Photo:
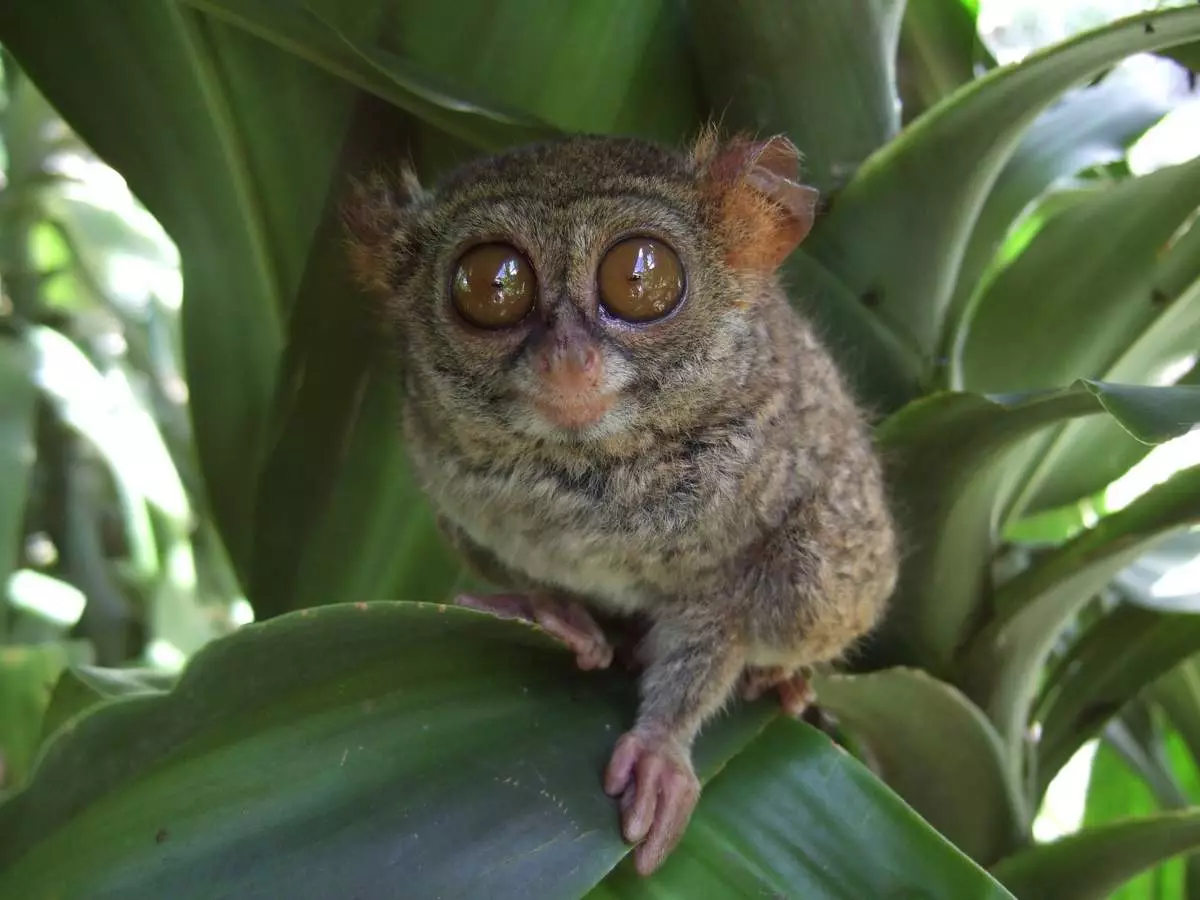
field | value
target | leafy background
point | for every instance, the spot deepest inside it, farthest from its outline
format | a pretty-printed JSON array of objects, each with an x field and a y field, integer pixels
[{"x": 195, "y": 442}]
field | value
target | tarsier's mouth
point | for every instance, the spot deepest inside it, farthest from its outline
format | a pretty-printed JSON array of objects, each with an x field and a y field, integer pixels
[{"x": 574, "y": 410}]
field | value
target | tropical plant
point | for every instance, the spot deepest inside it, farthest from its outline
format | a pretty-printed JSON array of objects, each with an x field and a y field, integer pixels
[{"x": 1020, "y": 311}]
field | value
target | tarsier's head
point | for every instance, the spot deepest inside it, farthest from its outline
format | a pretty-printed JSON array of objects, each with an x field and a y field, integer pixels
[{"x": 580, "y": 289}]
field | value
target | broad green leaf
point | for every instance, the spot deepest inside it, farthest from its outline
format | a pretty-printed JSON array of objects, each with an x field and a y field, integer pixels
[
  {"x": 822, "y": 73},
  {"x": 18, "y": 401},
  {"x": 377, "y": 536},
  {"x": 939, "y": 51},
  {"x": 325, "y": 751},
  {"x": 1001, "y": 666},
  {"x": 972, "y": 801},
  {"x": 900, "y": 228},
  {"x": 356, "y": 60},
  {"x": 884, "y": 373},
  {"x": 1093, "y": 863},
  {"x": 327, "y": 366},
  {"x": 1089, "y": 126},
  {"x": 1042, "y": 323},
  {"x": 81, "y": 687},
  {"x": 1114, "y": 660},
  {"x": 772, "y": 829},
  {"x": 536, "y": 69},
  {"x": 947, "y": 459},
  {"x": 607, "y": 66},
  {"x": 27, "y": 675}
]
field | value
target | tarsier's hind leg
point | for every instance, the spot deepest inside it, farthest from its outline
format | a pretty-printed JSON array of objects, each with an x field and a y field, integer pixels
[
  {"x": 795, "y": 693},
  {"x": 566, "y": 620}
]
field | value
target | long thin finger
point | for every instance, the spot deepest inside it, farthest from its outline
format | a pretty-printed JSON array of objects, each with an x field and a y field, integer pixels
[
  {"x": 642, "y": 814},
  {"x": 620, "y": 767},
  {"x": 509, "y": 606}
]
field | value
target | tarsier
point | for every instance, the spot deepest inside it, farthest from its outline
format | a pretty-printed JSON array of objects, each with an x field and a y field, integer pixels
[{"x": 614, "y": 410}]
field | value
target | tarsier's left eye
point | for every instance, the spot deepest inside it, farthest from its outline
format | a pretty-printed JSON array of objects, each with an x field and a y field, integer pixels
[{"x": 640, "y": 280}]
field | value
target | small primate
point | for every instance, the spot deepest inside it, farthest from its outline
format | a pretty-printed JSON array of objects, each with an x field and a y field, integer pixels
[{"x": 616, "y": 413}]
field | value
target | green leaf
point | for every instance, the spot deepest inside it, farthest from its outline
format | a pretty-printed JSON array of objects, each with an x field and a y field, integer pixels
[
  {"x": 1178, "y": 692},
  {"x": 1041, "y": 323},
  {"x": 972, "y": 801},
  {"x": 27, "y": 675},
  {"x": 296, "y": 29},
  {"x": 823, "y": 73},
  {"x": 939, "y": 50},
  {"x": 1137, "y": 735},
  {"x": 1089, "y": 126},
  {"x": 1093, "y": 863},
  {"x": 325, "y": 751},
  {"x": 80, "y": 688},
  {"x": 1001, "y": 666},
  {"x": 884, "y": 373},
  {"x": 608, "y": 66},
  {"x": 947, "y": 456},
  {"x": 1087, "y": 456},
  {"x": 772, "y": 829},
  {"x": 1126, "y": 650},
  {"x": 1116, "y": 793},
  {"x": 18, "y": 400},
  {"x": 944, "y": 166}
]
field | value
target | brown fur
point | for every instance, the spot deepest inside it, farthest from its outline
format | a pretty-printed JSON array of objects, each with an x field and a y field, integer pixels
[{"x": 731, "y": 495}]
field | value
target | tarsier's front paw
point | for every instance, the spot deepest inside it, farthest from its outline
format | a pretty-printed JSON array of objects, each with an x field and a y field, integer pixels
[
  {"x": 795, "y": 693},
  {"x": 658, "y": 788},
  {"x": 566, "y": 620}
]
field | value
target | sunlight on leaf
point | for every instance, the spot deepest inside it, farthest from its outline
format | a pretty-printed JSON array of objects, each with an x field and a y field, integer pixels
[
  {"x": 52, "y": 599},
  {"x": 1159, "y": 464}
]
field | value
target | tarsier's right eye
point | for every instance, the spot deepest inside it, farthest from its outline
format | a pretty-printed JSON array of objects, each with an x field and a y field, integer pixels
[{"x": 493, "y": 286}]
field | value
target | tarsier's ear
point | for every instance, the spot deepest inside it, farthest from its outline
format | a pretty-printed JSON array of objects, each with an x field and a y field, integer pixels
[
  {"x": 753, "y": 187},
  {"x": 373, "y": 214}
]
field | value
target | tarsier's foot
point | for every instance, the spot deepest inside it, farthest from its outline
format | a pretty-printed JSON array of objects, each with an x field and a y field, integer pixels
[
  {"x": 658, "y": 789},
  {"x": 795, "y": 693},
  {"x": 566, "y": 620}
]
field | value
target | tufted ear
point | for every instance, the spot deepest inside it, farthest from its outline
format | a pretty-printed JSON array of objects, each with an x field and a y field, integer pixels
[
  {"x": 753, "y": 189},
  {"x": 373, "y": 215}
]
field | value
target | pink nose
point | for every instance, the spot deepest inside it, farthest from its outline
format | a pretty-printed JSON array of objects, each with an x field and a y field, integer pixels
[
  {"x": 569, "y": 359},
  {"x": 571, "y": 371}
]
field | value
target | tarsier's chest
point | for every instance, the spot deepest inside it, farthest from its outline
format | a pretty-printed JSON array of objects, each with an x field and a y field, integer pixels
[
  {"x": 621, "y": 540},
  {"x": 604, "y": 568}
]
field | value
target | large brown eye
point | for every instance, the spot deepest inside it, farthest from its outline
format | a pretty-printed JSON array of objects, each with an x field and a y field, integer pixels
[
  {"x": 493, "y": 286},
  {"x": 641, "y": 279}
]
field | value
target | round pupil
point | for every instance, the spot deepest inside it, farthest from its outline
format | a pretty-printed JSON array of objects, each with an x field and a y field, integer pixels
[
  {"x": 641, "y": 279},
  {"x": 493, "y": 286}
]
